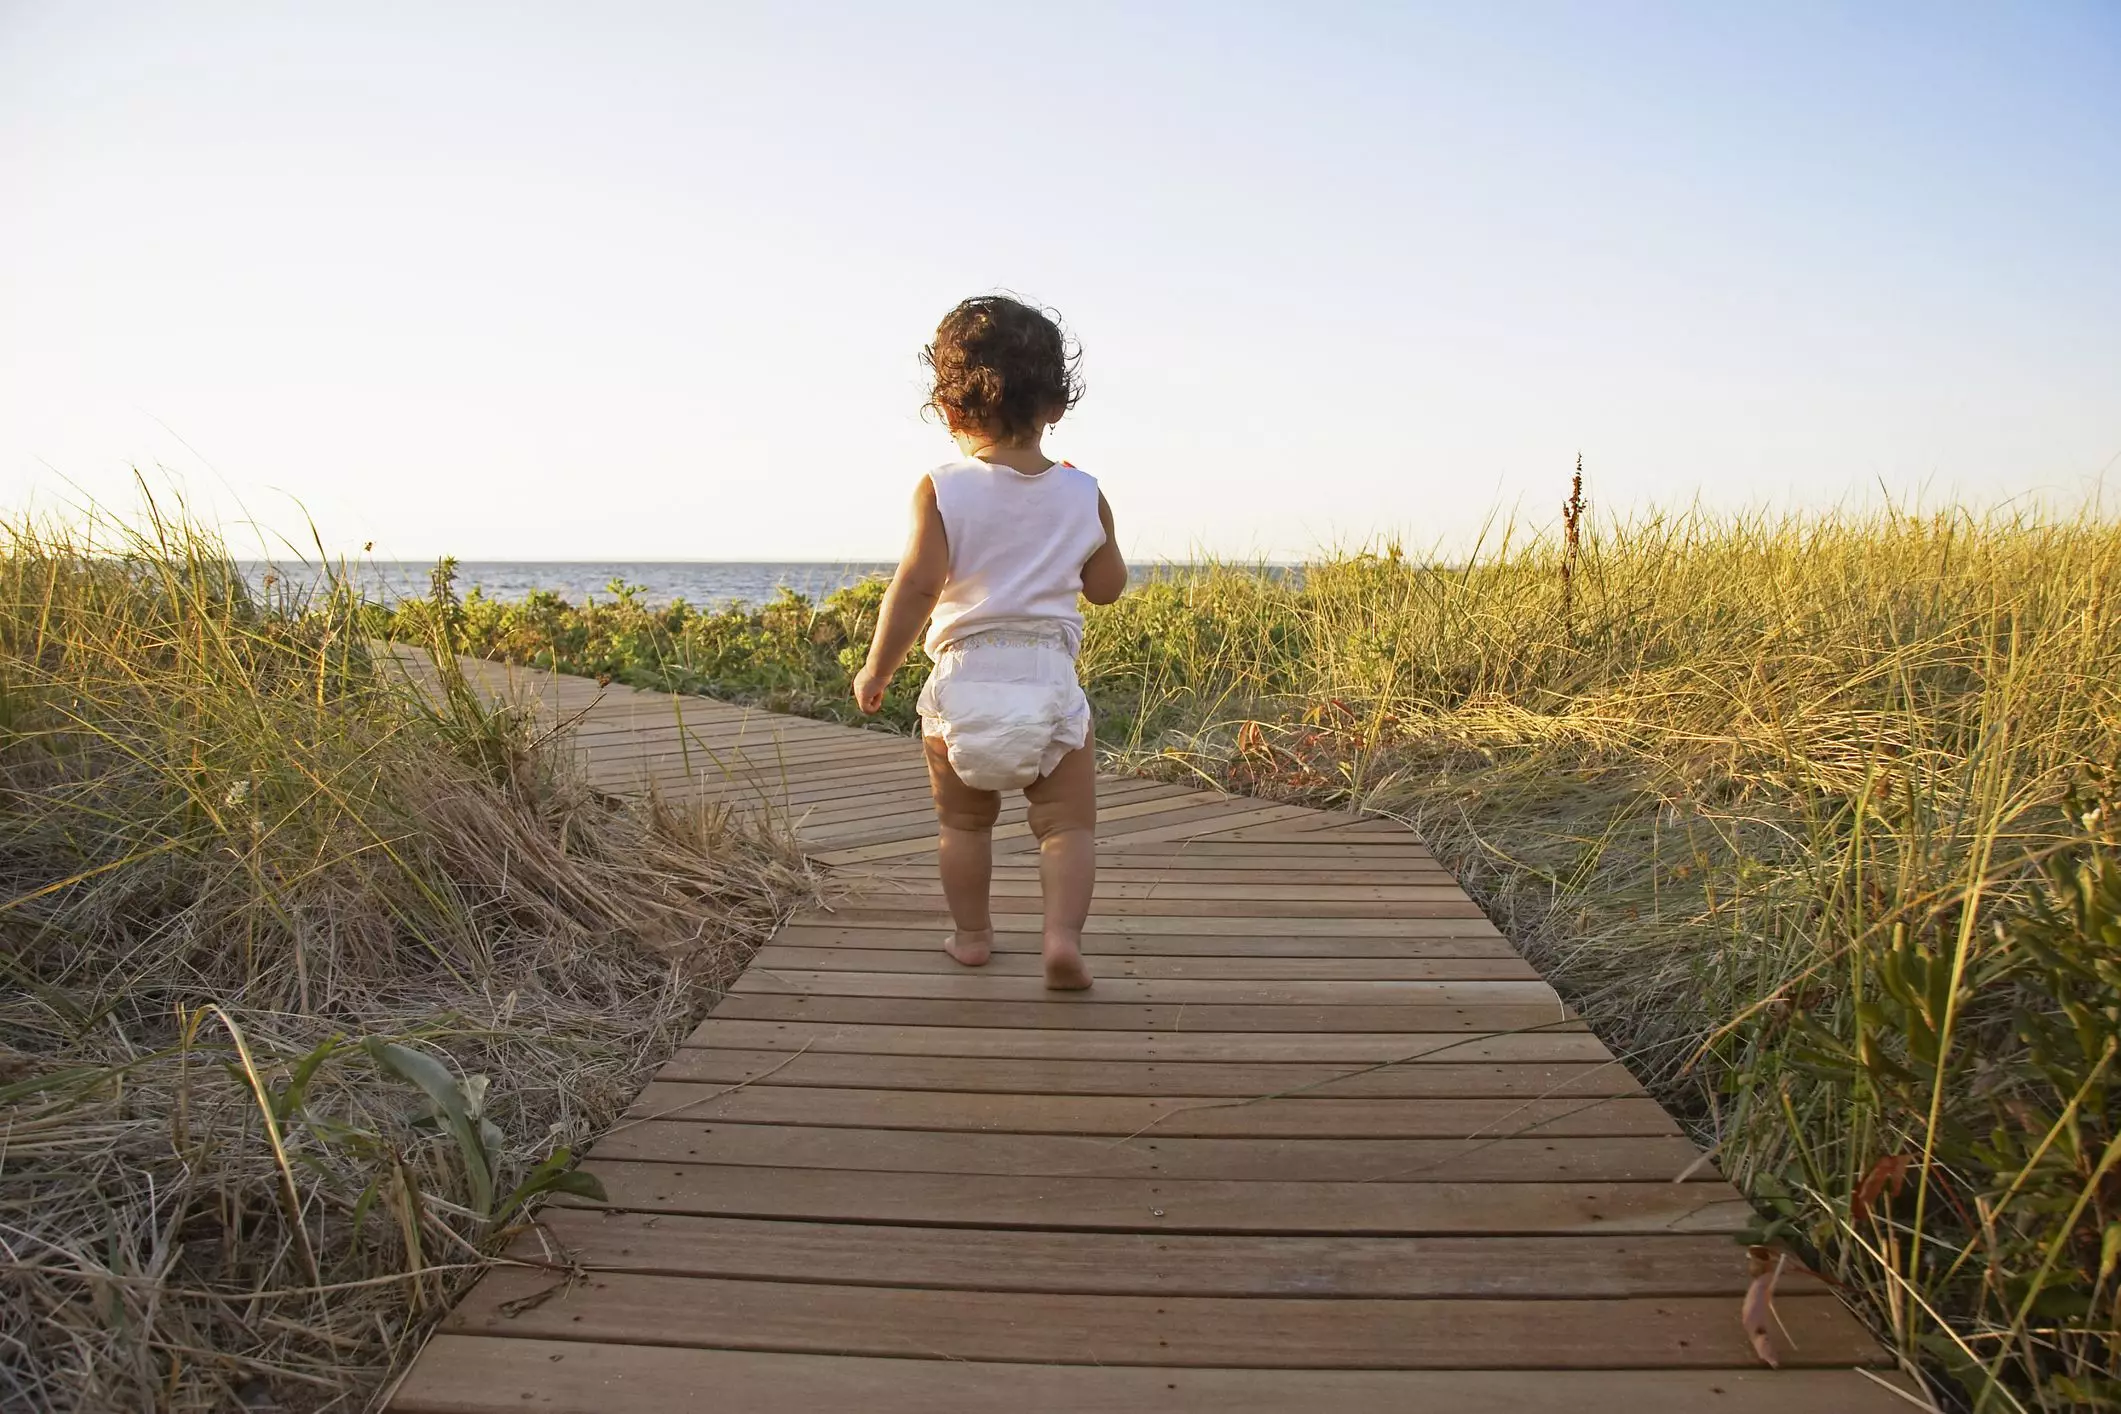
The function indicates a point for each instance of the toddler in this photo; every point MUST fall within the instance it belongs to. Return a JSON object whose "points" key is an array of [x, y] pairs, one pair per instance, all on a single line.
{"points": [[1003, 542]]}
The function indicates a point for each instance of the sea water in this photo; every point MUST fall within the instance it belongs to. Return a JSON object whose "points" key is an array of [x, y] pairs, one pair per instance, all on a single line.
{"points": [[706, 584], [701, 583]]}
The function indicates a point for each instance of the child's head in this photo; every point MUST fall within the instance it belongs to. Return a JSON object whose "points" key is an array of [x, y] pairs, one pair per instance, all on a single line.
{"points": [[1003, 370]]}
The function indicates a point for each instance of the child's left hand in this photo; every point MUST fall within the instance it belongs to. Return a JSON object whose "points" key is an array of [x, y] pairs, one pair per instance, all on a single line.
{"points": [[869, 685]]}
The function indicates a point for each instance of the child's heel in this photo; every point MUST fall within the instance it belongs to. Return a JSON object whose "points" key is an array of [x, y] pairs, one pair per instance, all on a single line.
{"points": [[970, 947], [1065, 969]]}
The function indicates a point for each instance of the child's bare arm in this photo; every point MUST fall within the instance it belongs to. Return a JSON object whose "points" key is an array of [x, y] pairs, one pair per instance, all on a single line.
{"points": [[915, 587], [1105, 573]]}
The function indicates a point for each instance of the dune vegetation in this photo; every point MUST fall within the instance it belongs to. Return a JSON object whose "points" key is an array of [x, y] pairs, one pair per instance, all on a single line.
{"points": [[1815, 818], [309, 981]]}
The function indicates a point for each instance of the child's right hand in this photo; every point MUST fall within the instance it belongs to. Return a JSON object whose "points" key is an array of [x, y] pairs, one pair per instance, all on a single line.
{"points": [[869, 685]]}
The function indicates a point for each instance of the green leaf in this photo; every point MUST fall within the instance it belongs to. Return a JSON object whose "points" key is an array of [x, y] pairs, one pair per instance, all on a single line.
{"points": [[582, 1184], [288, 1103], [2062, 1304], [365, 1202], [451, 1106], [553, 1176]]}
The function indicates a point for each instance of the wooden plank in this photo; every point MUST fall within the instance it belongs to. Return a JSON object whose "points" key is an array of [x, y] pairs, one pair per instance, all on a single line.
{"points": [[734, 756], [1122, 868], [1167, 1264], [903, 824], [1089, 1013], [1112, 822], [853, 913], [1647, 1159], [1316, 911], [843, 827], [847, 807], [749, 776], [1111, 887], [1236, 1079], [742, 743], [603, 737], [801, 796], [1135, 833], [853, 1038], [899, 782], [1194, 809], [1263, 865], [812, 932], [843, 778], [913, 822], [888, 849], [653, 721], [637, 730], [657, 711], [1363, 825], [1269, 1332], [462, 1374], [832, 808], [702, 779], [1024, 962], [1119, 862], [1170, 1204], [1293, 852], [1307, 1117], [968, 984], [1329, 825], [1017, 838], [856, 787], [1225, 868], [1313, 821], [913, 798]]}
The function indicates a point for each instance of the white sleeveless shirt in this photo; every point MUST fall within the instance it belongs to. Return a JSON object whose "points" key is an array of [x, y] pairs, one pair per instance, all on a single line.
{"points": [[1017, 548]]}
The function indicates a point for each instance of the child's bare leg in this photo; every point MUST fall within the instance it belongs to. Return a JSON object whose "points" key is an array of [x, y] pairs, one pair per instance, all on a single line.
{"points": [[966, 860], [1064, 817], [1067, 874], [964, 856]]}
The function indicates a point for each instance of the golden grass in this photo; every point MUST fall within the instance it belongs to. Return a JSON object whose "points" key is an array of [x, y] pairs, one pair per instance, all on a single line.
{"points": [[232, 848], [1768, 800]]}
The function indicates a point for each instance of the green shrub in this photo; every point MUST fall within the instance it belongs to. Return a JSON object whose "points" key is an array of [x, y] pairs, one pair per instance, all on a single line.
{"points": [[788, 655]]}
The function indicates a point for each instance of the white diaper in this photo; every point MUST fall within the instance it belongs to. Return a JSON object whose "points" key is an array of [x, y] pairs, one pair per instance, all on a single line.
{"points": [[1006, 705]]}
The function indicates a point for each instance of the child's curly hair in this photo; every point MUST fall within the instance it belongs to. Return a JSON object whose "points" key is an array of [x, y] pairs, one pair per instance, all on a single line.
{"points": [[1002, 368]]}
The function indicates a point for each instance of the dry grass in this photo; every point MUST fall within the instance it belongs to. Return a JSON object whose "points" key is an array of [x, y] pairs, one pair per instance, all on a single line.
{"points": [[232, 848], [1769, 800]]}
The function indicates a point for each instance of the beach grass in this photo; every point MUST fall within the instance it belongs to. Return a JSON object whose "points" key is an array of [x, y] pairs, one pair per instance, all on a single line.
{"points": [[1812, 816], [313, 980]]}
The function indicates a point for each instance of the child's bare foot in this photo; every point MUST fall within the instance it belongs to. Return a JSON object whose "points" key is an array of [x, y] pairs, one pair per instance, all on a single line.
{"points": [[1065, 971], [970, 946]]}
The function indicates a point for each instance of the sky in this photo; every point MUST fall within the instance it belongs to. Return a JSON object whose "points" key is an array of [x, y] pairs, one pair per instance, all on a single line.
{"points": [[636, 281]]}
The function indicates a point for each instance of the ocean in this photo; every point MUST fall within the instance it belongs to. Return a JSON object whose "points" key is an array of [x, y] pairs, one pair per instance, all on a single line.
{"points": [[702, 583]]}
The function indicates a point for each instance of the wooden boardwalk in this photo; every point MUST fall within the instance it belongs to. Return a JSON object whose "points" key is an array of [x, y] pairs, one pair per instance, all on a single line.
{"points": [[1319, 1139]]}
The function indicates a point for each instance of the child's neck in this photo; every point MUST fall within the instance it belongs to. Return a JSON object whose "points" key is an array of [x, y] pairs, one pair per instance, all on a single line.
{"points": [[1027, 457]]}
